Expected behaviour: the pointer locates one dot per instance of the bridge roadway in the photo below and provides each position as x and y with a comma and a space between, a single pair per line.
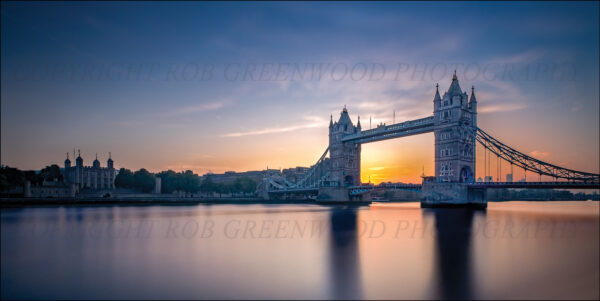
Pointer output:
296, 190
402, 129
537, 185
356, 190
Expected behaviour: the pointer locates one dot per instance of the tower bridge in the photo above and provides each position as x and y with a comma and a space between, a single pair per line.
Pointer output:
336, 178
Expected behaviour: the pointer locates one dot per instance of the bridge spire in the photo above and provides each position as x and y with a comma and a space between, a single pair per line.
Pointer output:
454, 89
472, 100
331, 120
437, 99
358, 124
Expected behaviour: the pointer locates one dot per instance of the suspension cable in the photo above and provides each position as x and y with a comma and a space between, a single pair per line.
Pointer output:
529, 163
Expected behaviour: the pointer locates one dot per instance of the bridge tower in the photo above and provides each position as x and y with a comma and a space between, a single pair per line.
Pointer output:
455, 120
344, 156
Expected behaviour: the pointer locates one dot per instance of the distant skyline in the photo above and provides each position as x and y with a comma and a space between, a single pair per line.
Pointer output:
242, 86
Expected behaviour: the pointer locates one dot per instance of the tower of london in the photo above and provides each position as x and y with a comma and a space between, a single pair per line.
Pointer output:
90, 177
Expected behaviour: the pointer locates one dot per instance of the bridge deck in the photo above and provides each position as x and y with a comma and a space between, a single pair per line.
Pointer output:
295, 190
536, 185
403, 129
532, 185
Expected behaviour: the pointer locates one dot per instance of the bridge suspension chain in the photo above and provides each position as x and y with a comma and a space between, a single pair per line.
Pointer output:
526, 162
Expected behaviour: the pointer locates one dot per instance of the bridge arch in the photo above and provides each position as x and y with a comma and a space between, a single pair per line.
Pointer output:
466, 175
348, 180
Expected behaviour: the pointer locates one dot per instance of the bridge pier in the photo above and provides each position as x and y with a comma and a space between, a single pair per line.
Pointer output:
333, 194
341, 195
447, 194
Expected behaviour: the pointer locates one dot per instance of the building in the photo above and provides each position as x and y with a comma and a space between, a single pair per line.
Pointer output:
49, 189
455, 118
230, 176
294, 174
509, 177
344, 157
90, 177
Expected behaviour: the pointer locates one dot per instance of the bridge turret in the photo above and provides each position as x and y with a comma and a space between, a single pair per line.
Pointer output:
473, 101
473, 106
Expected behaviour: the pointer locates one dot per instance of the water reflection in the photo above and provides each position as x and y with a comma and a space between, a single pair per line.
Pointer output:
344, 254
453, 227
532, 250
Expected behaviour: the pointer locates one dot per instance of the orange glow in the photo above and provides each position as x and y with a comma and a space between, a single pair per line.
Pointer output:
398, 160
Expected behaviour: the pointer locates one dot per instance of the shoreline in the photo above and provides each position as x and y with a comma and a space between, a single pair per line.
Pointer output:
149, 201
26, 202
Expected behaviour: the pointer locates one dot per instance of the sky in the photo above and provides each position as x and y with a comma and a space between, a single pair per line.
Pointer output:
216, 87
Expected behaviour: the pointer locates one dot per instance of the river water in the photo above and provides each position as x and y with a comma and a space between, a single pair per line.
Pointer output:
542, 250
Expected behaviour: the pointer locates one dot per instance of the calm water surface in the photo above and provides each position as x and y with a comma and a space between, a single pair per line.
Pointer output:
511, 250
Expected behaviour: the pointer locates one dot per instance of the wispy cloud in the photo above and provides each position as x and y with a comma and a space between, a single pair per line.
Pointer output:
165, 119
313, 122
539, 154
203, 107
509, 107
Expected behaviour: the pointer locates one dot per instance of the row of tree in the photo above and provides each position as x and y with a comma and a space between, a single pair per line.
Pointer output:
187, 181
141, 180
14, 177
239, 185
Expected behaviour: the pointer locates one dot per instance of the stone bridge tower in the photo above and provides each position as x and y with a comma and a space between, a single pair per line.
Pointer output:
455, 119
344, 156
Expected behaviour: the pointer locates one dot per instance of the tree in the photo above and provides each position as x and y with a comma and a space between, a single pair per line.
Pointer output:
124, 179
143, 180
33, 177
184, 181
3, 183
168, 181
208, 185
50, 173
237, 186
190, 181
223, 188
14, 177
247, 185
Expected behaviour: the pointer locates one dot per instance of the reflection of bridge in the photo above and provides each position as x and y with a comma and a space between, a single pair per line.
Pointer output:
454, 124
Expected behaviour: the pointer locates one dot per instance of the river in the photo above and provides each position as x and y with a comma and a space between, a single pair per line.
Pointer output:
541, 250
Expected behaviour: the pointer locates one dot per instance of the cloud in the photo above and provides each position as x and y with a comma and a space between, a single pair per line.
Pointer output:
507, 107
161, 119
203, 107
314, 122
539, 154
576, 107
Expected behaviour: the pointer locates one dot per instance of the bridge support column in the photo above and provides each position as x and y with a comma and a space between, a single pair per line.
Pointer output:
264, 194
333, 195
440, 194
362, 198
